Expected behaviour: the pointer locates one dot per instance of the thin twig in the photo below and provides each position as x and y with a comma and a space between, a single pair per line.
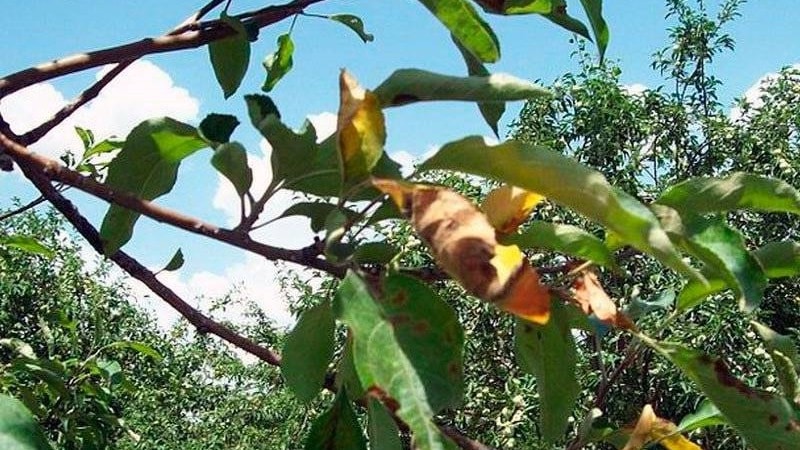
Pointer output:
22, 209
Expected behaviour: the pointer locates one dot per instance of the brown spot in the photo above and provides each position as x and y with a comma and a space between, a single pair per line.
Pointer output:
725, 377
399, 299
527, 328
399, 319
383, 397
404, 99
454, 369
705, 359
421, 327
773, 419
448, 337
561, 9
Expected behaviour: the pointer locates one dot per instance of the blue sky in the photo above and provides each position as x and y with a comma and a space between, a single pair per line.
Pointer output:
406, 35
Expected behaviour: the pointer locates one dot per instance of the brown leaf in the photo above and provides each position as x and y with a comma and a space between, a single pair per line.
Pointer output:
592, 298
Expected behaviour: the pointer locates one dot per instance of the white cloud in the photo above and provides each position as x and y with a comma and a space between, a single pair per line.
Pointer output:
634, 89
753, 94
142, 91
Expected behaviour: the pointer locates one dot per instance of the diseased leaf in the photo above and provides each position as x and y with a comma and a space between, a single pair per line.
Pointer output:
407, 348
336, 428
147, 167
360, 130
592, 298
27, 244
308, 351
279, 63
764, 419
230, 159
548, 353
175, 263
465, 246
507, 207
218, 128
467, 27
558, 15
382, 430
230, 56
491, 111
354, 23
594, 10
406, 86
563, 238
565, 181
651, 428
18, 428
737, 191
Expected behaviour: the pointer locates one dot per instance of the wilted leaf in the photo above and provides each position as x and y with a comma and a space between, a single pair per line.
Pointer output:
548, 352
464, 245
175, 263
18, 428
308, 351
336, 428
467, 27
147, 167
592, 298
766, 420
354, 23
507, 207
230, 56
565, 181
651, 428
361, 131
230, 159
562, 238
279, 63
406, 86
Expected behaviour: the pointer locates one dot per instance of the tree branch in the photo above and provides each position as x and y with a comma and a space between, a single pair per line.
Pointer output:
22, 209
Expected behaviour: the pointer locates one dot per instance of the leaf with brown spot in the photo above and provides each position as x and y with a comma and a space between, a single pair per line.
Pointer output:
592, 298
507, 207
361, 131
464, 244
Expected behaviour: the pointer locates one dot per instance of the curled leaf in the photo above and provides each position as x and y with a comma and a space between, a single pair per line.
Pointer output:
507, 207
361, 130
465, 246
592, 298
650, 429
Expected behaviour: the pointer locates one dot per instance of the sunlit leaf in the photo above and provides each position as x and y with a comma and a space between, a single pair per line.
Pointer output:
147, 167
278, 64
706, 415
565, 181
507, 207
354, 23
407, 348
509, 7
308, 351
336, 428
548, 352
562, 238
230, 159
360, 130
467, 27
104, 146
465, 246
737, 191
26, 243
230, 56
138, 347
765, 419
86, 136
406, 86
382, 430
175, 263
18, 428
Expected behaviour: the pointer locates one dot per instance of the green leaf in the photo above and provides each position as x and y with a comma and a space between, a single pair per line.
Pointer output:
279, 63
408, 345
18, 428
308, 351
594, 10
639, 307
406, 86
565, 239
293, 154
467, 26
139, 347
382, 430
548, 352
491, 111
26, 244
175, 263
785, 358
147, 167
777, 259
510, 7
354, 23
336, 428
18, 346
318, 212
722, 250
738, 191
218, 128
559, 16
706, 415
375, 253
230, 56
86, 136
766, 420
259, 107
565, 181
230, 159
105, 146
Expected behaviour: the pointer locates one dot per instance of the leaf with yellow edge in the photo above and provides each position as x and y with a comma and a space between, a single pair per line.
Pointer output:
507, 207
361, 131
651, 428
465, 246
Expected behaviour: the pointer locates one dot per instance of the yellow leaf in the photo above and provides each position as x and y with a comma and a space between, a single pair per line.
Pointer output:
641, 432
361, 130
651, 428
507, 207
465, 246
